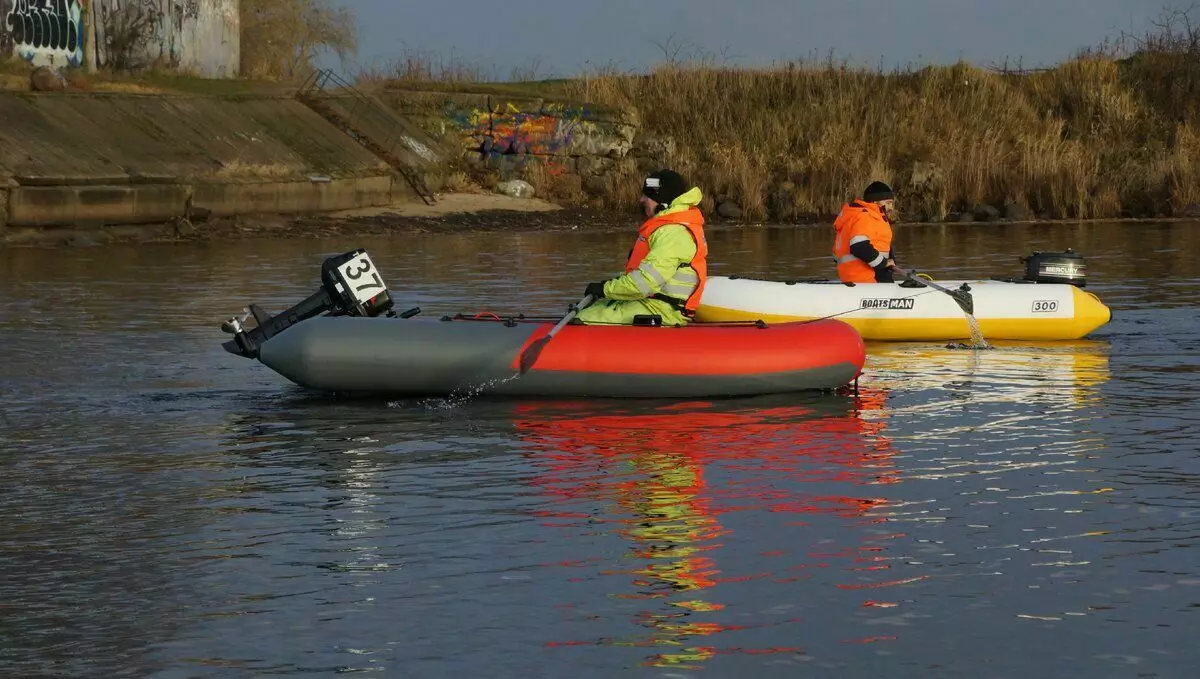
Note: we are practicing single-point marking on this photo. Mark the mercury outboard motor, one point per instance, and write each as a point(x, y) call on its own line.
point(350, 286)
point(1056, 267)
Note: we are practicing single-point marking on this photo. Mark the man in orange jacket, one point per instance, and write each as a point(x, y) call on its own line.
point(863, 246)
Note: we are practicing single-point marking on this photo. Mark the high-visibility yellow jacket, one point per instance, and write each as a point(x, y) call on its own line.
point(673, 253)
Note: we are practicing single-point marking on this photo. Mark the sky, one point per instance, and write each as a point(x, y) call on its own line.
point(565, 37)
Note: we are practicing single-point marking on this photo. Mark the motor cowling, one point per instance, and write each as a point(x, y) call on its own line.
point(350, 286)
point(343, 300)
point(1056, 267)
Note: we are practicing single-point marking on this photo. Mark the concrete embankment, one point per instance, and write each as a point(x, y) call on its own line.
point(97, 161)
point(101, 159)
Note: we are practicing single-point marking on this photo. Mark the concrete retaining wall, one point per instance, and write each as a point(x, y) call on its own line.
point(104, 159)
point(54, 137)
point(155, 203)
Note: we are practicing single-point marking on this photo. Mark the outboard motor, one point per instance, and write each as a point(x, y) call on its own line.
point(1056, 267)
point(350, 286)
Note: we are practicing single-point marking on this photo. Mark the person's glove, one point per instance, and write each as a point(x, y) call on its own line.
point(596, 290)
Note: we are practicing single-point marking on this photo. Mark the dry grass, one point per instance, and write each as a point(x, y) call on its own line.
point(551, 181)
point(237, 169)
point(419, 66)
point(14, 83)
point(1074, 142)
point(460, 182)
point(1114, 132)
point(119, 87)
point(14, 74)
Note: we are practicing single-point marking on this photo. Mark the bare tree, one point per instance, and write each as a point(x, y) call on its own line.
point(1163, 65)
point(1175, 31)
point(281, 39)
point(126, 33)
point(674, 49)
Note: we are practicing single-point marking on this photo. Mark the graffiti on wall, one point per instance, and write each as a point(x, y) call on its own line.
point(6, 43)
point(511, 131)
point(46, 32)
point(202, 38)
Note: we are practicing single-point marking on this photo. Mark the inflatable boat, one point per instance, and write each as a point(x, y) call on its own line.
point(346, 338)
point(1048, 304)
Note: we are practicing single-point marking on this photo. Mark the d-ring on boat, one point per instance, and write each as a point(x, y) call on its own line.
point(345, 337)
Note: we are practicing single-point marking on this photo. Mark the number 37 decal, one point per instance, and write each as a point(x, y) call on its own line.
point(1045, 306)
point(364, 268)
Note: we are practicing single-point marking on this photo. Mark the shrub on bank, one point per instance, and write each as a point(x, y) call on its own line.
point(1103, 135)
point(1083, 140)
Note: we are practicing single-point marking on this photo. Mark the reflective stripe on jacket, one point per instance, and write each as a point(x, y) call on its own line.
point(669, 258)
point(858, 222)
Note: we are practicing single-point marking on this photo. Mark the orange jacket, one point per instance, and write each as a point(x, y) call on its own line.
point(691, 218)
point(857, 222)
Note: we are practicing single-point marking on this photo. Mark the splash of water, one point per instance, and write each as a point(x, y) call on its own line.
point(977, 339)
point(978, 342)
point(461, 395)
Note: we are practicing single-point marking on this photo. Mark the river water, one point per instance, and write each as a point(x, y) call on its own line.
point(175, 511)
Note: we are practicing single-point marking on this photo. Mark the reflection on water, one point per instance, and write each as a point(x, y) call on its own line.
point(172, 510)
point(1015, 371)
point(663, 481)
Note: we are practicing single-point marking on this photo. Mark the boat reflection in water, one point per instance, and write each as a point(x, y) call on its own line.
point(674, 481)
point(1066, 374)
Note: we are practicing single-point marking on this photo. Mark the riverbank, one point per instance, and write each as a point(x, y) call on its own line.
point(1096, 138)
point(1111, 134)
point(80, 160)
point(452, 213)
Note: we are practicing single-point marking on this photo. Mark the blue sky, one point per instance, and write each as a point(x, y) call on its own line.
point(562, 38)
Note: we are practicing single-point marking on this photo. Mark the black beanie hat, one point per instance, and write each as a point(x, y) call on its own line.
point(878, 191)
point(664, 186)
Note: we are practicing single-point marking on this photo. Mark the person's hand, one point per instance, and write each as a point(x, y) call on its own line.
point(891, 264)
point(595, 290)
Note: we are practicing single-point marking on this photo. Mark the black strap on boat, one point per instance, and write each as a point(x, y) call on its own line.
point(679, 305)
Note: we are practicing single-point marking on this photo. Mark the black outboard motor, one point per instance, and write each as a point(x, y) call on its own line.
point(1056, 267)
point(350, 286)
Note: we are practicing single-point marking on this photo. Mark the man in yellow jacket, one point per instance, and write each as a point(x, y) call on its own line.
point(862, 247)
point(668, 264)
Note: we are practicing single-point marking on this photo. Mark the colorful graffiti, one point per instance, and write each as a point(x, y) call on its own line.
point(513, 131)
point(507, 130)
point(46, 32)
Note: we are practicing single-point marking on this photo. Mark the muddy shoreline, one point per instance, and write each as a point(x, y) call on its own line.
point(383, 222)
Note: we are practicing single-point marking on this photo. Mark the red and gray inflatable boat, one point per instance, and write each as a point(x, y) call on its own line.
point(345, 338)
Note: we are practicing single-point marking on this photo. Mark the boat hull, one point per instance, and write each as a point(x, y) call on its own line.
point(890, 312)
point(431, 358)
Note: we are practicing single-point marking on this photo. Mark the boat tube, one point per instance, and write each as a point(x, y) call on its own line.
point(1047, 304)
point(348, 340)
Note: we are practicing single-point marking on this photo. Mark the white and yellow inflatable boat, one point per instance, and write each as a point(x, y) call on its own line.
point(1005, 309)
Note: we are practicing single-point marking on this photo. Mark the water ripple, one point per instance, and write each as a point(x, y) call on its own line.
point(176, 511)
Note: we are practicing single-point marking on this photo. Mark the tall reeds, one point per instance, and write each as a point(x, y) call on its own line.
point(1077, 141)
point(1113, 132)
